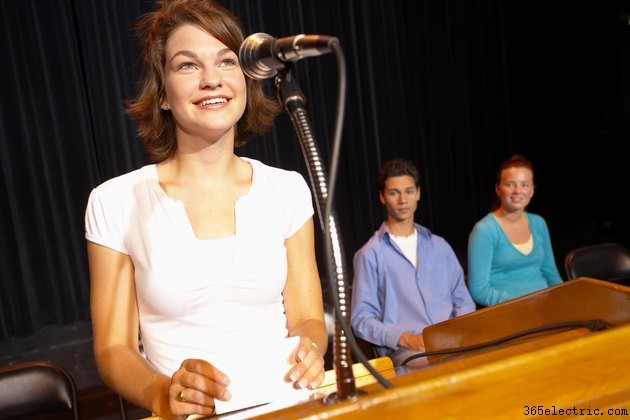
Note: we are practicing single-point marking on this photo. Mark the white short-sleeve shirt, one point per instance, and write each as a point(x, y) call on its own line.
point(201, 298)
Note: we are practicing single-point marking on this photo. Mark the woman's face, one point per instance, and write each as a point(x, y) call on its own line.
point(205, 87)
point(516, 188)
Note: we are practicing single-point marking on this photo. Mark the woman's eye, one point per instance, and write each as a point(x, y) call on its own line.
point(186, 66)
point(228, 62)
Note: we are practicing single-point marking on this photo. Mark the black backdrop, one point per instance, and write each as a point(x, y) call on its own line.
point(455, 85)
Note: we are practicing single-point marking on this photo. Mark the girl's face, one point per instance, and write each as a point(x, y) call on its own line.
point(205, 87)
point(516, 188)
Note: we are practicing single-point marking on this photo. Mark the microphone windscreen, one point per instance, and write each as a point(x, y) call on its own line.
point(257, 58)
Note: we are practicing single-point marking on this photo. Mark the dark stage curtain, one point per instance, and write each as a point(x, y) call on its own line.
point(455, 85)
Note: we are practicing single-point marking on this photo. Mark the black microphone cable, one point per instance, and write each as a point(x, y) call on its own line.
point(592, 325)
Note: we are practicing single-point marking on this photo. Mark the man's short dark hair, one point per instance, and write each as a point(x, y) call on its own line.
point(397, 167)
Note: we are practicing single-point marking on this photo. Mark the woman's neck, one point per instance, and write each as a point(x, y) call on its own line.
point(509, 216)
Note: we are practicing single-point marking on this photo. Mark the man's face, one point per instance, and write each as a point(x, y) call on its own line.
point(400, 197)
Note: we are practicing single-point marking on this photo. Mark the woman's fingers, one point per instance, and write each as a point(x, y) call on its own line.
point(308, 372)
point(195, 386)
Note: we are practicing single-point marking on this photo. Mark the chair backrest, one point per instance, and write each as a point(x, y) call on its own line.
point(36, 388)
point(606, 261)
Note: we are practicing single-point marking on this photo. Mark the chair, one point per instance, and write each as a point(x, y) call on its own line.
point(605, 261)
point(37, 388)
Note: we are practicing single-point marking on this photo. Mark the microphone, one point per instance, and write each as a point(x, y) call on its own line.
point(262, 55)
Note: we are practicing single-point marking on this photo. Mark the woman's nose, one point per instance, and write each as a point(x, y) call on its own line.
point(210, 78)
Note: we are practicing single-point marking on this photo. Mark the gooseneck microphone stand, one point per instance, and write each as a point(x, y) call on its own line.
point(263, 56)
point(291, 96)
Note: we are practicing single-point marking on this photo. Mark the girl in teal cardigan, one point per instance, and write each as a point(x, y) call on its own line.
point(509, 249)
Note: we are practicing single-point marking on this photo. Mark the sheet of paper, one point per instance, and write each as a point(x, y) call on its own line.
point(266, 408)
point(258, 377)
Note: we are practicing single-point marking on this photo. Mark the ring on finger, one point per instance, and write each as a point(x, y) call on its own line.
point(181, 395)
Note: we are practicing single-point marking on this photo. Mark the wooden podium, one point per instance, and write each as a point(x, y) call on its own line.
point(581, 299)
point(565, 372)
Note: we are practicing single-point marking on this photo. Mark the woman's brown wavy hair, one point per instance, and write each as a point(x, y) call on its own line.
point(155, 126)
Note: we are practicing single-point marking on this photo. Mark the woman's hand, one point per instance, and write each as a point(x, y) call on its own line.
point(308, 371)
point(194, 387)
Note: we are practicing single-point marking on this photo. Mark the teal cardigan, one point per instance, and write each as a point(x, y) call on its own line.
point(497, 271)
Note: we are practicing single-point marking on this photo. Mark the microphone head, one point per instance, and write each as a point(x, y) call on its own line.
point(256, 57)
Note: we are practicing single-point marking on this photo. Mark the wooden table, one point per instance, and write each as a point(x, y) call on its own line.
point(573, 370)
